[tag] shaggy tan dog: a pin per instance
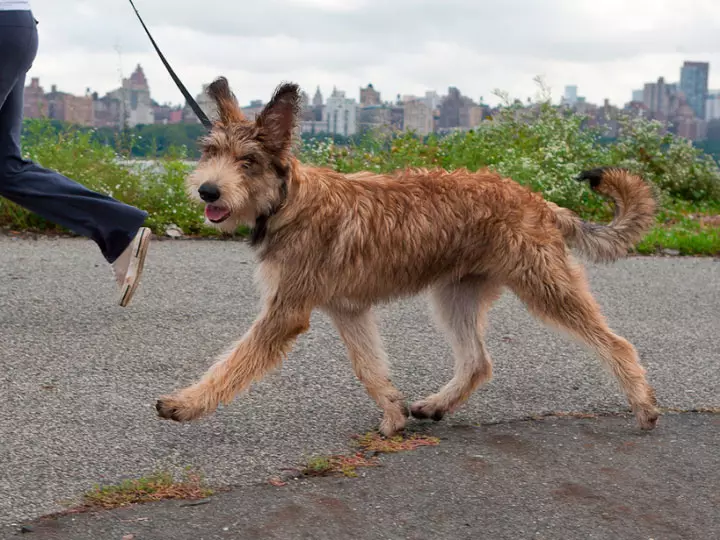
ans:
(342, 243)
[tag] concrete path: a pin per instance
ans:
(79, 376)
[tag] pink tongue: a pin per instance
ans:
(215, 213)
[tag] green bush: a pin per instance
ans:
(157, 188)
(543, 148)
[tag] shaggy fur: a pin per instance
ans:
(344, 242)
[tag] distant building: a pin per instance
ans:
(432, 99)
(455, 110)
(134, 96)
(317, 108)
(694, 84)
(476, 114)
(418, 117)
(685, 123)
(369, 96)
(107, 111)
(252, 111)
(712, 106)
(35, 103)
(656, 97)
(167, 114)
(637, 96)
(317, 100)
(313, 126)
(206, 104)
(340, 114)
(571, 95)
(375, 118)
(68, 108)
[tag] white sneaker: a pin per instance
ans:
(129, 266)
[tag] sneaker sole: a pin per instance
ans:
(138, 261)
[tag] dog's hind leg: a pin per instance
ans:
(461, 310)
(260, 350)
(557, 293)
(362, 339)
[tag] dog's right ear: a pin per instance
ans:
(227, 105)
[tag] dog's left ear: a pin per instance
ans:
(278, 119)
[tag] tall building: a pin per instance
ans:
(455, 110)
(317, 100)
(340, 114)
(637, 96)
(712, 106)
(35, 104)
(317, 107)
(657, 96)
(571, 94)
(432, 99)
(477, 113)
(694, 84)
(369, 96)
(134, 96)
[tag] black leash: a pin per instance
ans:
(190, 100)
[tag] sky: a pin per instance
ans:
(606, 47)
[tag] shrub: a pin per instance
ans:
(542, 147)
(157, 188)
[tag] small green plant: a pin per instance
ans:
(345, 465)
(155, 487)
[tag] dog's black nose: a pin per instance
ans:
(209, 192)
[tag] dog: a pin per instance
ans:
(342, 243)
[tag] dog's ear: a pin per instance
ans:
(228, 109)
(278, 119)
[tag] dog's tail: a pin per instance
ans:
(634, 215)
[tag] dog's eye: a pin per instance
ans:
(246, 161)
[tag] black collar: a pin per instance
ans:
(259, 231)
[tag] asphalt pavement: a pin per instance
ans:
(79, 378)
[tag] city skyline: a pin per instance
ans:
(401, 46)
(687, 108)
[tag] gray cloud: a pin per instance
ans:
(403, 46)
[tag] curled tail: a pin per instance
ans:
(634, 215)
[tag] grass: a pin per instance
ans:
(374, 442)
(543, 148)
(689, 229)
(155, 487)
(370, 444)
(345, 465)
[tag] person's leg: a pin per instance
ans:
(114, 226)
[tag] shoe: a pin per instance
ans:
(129, 266)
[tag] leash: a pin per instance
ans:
(190, 100)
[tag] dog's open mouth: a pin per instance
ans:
(216, 214)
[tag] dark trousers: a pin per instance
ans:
(110, 223)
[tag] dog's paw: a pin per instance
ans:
(647, 418)
(175, 408)
(394, 420)
(426, 409)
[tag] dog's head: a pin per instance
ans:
(244, 164)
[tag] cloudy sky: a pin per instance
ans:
(606, 47)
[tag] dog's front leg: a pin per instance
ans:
(260, 350)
